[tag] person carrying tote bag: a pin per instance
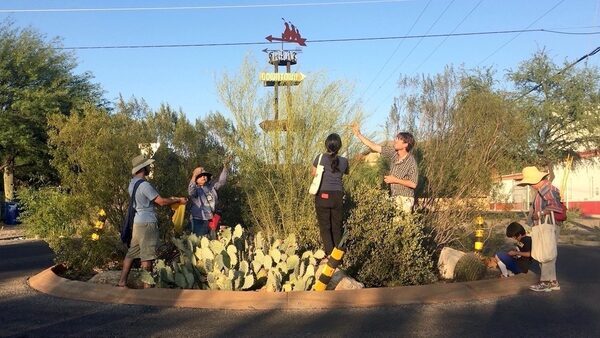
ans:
(543, 238)
(329, 196)
(318, 177)
(545, 203)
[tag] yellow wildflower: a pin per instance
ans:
(98, 225)
(95, 237)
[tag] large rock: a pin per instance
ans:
(447, 262)
(341, 281)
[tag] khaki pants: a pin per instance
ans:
(404, 203)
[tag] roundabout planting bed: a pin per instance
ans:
(50, 283)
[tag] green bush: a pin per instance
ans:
(67, 225)
(81, 255)
(49, 212)
(385, 248)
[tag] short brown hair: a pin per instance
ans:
(408, 138)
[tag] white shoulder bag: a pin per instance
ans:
(543, 240)
(316, 182)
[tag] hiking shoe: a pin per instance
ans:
(554, 286)
(541, 286)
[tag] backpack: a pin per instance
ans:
(562, 215)
(127, 226)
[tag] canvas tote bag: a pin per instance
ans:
(543, 239)
(316, 182)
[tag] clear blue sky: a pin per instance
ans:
(185, 77)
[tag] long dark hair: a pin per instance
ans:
(333, 143)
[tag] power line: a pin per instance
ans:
(223, 44)
(516, 36)
(436, 48)
(561, 71)
(446, 38)
(132, 9)
(397, 47)
(413, 49)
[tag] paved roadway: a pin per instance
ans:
(572, 312)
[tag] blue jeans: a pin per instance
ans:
(510, 262)
(200, 227)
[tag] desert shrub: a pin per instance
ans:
(274, 165)
(494, 239)
(82, 254)
(467, 132)
(63, 221)
(385, 247)
(49, 212)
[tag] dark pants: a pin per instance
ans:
(329, 207)
(200, 227)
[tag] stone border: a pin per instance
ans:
(48, 282)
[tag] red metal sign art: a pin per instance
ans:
(290, 34)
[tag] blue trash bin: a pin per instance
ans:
(11, 212)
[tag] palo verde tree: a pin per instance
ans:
(37, 80)
(274, 166)
(560, 105)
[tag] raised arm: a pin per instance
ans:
(222, 177)
(372, 145)
(192, 185)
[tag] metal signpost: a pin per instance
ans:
(287, 58)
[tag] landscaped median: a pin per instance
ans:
(50, 283)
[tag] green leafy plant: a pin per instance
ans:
(49, 212)
(385, 247)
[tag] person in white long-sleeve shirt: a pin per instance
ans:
(203, 196)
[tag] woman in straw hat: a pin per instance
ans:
(203, 194)
(145, 235)
(546, 201)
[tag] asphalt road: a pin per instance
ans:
(572, 312)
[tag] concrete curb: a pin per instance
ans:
(48, 282)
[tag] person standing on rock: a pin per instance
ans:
(145, 235)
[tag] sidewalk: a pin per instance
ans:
(8, 232)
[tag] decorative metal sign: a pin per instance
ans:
(282, 57)
(290, 34)
(270, 79)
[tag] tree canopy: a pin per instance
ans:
(563, 110)
(37, 79)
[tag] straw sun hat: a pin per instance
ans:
(531, 175)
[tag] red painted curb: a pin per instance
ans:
(50, 283)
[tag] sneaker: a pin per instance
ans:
(554, 286)
(541, 286)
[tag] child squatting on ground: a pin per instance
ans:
(515, 261)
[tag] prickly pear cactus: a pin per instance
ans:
(237, 261)
(469, 268)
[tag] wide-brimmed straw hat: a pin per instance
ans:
(531, 175)
(140, 162)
